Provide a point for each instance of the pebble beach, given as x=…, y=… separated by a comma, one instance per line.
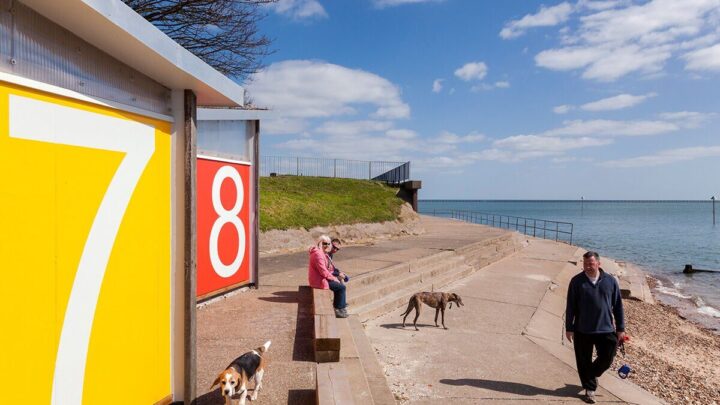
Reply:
x=673, y=357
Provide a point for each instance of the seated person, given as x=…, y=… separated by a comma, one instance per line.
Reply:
x=334, y=248
x=320, y=275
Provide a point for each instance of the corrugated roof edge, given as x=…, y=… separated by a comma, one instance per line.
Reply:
x=119, y=31
x=205, y=113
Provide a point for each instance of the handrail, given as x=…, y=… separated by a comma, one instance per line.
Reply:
x=528, y=226
x=396, y=175
x=391, y=172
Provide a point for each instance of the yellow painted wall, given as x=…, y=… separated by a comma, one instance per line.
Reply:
x=49, y=199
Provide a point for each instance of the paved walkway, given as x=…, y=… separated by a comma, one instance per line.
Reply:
x=228, y=327
x=505, y=345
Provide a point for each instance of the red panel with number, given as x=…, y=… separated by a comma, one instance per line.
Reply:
x=223, y=231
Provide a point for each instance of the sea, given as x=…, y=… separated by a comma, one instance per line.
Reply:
x=660, y=237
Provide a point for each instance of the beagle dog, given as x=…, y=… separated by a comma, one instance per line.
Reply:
x=234, y=379
x=437, y=300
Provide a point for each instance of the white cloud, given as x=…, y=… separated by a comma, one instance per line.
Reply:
x=452, y=139
x=704, y=59
x=666, y=157
x=506, y=156
x=393, y=3
x=579, y=134
x=535, y=143
x=545, y=17
x=441, y=162
x=601, y=5
x=437, y=85
x=401, y=134
x=612, y=128
x=568, y=58
x=395, y=145
x=284, y=126
x=564, y=159
x=515, y=149
x=562, y=109
x=300, y=9
x=605, y=62
x=472, y=71
x=306, y=89
x=350, y=128
x=481, y=87
x=372, y=140
x=616, y=102
x=447, y=142
x=687, y=119
x=485, y=86
x=625, y=37
x=654, y=22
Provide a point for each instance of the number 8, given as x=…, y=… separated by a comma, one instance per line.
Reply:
x=225, y=217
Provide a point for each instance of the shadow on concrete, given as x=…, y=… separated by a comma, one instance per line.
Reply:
x=301, y=397
x=571, y=391
x=304, y=326
x=213, y=397
x=286, y=297
x=408, y=326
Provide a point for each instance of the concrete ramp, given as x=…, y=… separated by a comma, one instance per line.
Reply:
x=505, y=345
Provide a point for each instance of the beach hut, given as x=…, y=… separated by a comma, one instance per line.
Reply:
x=227, y=206
x=98, y=134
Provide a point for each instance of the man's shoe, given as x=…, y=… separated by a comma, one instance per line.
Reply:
x=590, y=396
x=340, y=313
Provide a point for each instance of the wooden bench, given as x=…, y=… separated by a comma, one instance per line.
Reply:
x=332, y=385
x=326, y=338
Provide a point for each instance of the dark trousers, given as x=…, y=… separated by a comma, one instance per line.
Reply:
x=339, y=291
x=589, y=371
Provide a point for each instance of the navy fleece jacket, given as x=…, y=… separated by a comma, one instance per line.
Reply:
x=590, y=308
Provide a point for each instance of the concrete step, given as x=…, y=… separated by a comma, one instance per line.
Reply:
x=350, y=360
x=379, y=389
x=370, y=302
x=332, y=385
x=400, y=297
x=483, y=253
x=502, y=241
x=359, y=296
x=398, y=270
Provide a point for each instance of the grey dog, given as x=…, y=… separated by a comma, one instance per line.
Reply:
x=437, y=300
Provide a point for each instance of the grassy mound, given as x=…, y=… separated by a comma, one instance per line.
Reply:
x=305, y=202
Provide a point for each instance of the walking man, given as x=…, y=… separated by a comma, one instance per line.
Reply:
x=593, y=301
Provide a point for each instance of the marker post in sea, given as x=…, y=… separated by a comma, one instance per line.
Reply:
x=713, y=200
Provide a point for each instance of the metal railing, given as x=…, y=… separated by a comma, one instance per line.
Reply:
x=391, y=172
x=539, y=228
x=397, y=175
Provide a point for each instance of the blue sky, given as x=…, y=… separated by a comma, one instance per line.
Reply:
x=605, y=99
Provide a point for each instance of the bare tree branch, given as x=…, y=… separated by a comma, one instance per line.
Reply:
x=224, y=33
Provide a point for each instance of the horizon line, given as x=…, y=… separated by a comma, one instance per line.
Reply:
x=558, y=200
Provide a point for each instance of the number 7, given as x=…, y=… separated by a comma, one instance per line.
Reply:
x=42, y=121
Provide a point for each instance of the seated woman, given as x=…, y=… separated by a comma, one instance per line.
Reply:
x=320, y=275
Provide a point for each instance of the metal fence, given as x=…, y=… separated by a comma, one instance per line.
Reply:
x=539, y=228
x=392, y=172
x=396, y=175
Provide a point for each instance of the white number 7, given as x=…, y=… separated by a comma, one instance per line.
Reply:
x=41, y=121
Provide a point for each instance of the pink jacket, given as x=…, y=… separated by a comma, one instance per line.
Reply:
x=318, y=273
